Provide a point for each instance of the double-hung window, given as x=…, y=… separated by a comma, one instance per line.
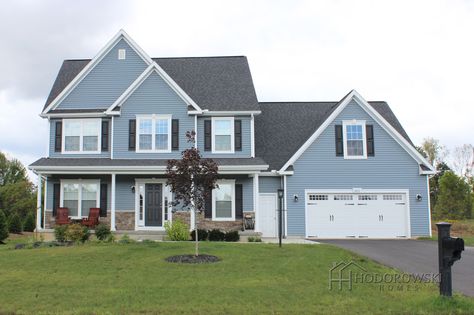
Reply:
x=81, y=135
x=154, y=133
x=223, y=199
x=79, y=196
x=354, y=139
x=222, y=135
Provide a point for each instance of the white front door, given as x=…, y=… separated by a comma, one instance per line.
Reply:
x=372, y=215
x=267, y=216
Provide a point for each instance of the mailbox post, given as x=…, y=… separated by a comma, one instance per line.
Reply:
x=449, y=251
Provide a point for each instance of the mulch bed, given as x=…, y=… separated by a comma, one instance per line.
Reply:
x=191, y=259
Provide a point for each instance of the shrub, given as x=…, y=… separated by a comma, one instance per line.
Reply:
x=216, y=235
x=202, y=235
x=232, y=236
x=126, y=239
x=254, y=239
x=102, y=232
x=29, y=224
x=3, y=227
x=60, y=233
x=177, y=230
x=14, y=224
x=77, y=233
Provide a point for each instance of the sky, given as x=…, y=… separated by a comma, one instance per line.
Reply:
x=416, y=55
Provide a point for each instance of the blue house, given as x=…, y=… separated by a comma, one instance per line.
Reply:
x=345, y=169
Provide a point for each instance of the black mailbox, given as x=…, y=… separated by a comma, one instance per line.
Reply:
x=452, y=248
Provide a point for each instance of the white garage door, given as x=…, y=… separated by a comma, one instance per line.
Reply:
x=374, y=215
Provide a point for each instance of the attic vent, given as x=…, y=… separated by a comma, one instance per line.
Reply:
x=121, y=54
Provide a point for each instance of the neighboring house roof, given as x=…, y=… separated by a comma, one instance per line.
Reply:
x=283, y=127
x=106, y=162
x=214, y=83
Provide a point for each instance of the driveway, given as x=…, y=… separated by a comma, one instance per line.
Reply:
x=412, y=256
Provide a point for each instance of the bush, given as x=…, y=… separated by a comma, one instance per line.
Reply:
x=60, y=233
x=232, y=236
x=177, y=230
x=29, y=224
x=77, y=233
x=102, y=232
x=202, y=235
x=3, y=227
x=126, y=239
x=254, y=239
x=14, y=224
x=216, y=235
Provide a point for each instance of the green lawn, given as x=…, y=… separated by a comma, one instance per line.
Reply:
x=251, y=278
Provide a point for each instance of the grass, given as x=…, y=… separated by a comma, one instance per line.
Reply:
x=459, y=228
x=250, y=279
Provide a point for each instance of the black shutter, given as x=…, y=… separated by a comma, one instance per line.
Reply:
x=58, y=138
x=56, y=197
x=175, y=134
x=339, y=141
x=239, y=206
x=207, y=135
x=132, y=123
x=369, y=133
x=103, y=200
x=238, y=135
x=105, y=135
x=208, y=206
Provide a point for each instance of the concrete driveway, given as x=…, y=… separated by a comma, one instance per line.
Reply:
x=412, y=256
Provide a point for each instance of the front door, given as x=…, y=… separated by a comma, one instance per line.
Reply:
x=154, y=205
x=268, y=214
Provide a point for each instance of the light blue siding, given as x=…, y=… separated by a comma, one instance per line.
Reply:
x=107, y=81
x=247, y=191
x=269, y=184
x=52, y=153
x=391, y=168
x=246, y=146
x=154, y=96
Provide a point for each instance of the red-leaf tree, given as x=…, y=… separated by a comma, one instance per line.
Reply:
x=192, y=179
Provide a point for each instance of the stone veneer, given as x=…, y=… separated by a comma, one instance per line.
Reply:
x=208, y=224
x=125, y=220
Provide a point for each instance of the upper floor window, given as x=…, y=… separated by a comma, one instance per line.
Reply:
x=154, y=133
x=354, y=139
x=222, y=135
x=81, y=135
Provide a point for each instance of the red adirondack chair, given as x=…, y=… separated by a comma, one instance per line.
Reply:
x=93, y=218
x=62, y=217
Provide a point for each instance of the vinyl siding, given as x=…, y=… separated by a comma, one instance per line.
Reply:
x=391, y=168
x=246, y=146
x=153, y=96
x=107, y=81
x=53, y=154
x=269, y=184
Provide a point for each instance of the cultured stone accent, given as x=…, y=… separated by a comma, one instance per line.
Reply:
x=208, y=224
x=125, y=220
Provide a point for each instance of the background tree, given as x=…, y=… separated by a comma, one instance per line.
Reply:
x=434, y=151
x=463, y=159
x=192, y=179
x=3, y=227
x=454, y=198
x=441, y=168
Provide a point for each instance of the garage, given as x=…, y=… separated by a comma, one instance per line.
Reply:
x=357, y=215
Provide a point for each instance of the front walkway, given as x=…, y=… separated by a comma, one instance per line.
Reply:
x=414, y=257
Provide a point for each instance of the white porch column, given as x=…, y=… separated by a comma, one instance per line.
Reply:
x=45, y=200
x=256, y=200
x=112, y=204
x=285, y=206
x=38, y=204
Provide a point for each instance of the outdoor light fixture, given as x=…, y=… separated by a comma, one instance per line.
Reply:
x=280, y=193
x=418, y=197
x=132, y=188
x=295, y=198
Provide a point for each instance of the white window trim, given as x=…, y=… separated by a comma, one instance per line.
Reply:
x=79, y=200
x=224, y=181
x=346, y=123
x=232, y=133
x=153, y=117
x=81, y=136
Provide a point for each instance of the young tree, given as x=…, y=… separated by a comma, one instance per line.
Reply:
x=454, y=199
x=434, y=152
x=192, y=179
x=463, y=160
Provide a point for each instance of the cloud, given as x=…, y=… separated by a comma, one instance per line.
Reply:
x=417, y=55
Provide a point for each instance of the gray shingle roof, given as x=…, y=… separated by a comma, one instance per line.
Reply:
x=214, y=83
x=283, y=127
x=135, y=162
